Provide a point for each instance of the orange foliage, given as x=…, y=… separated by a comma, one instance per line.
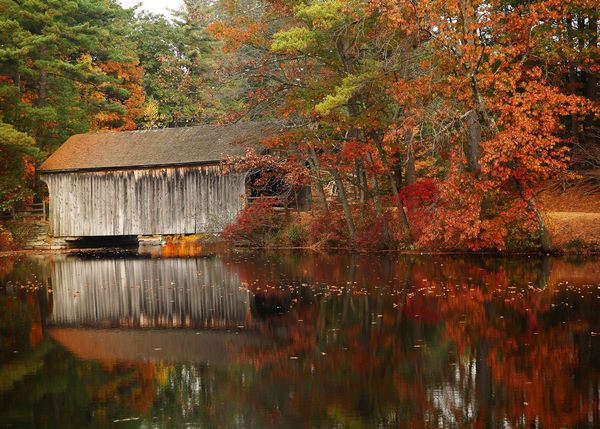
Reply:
x=129, y=78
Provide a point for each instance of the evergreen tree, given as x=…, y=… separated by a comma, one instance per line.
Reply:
x=188, y=78
x=57, y=71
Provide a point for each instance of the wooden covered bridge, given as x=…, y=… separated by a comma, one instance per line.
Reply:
x=151, y=182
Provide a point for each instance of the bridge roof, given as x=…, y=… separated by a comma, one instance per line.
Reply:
x=204, y=144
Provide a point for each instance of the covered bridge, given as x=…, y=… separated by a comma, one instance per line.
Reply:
x=164, y=181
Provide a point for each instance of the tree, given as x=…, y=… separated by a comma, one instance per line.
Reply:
x=185, y=70
x=17, y=152
x=501, y=138
x=64, y=68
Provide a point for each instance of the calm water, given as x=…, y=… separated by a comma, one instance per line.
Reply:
x=293, y=340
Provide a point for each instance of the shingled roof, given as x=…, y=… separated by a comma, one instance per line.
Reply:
x=203, y=144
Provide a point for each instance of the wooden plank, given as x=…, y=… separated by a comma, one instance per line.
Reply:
x=182, y=200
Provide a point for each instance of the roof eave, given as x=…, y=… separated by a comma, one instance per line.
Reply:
x=130, y=167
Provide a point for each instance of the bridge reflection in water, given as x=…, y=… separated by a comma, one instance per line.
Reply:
x=147, y=293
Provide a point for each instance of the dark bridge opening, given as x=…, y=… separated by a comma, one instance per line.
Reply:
x=270, y=184
x=124, y=241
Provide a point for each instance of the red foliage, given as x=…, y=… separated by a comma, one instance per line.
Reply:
x=373, y=231
x=254, y=223
x=328, y=228
x=419, y=194
x=419, y=199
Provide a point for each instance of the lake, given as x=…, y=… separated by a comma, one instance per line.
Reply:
x=298, y=340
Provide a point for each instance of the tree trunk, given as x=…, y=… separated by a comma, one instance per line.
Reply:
x=574, y=121
x=543, y=232
x=378, y=205
x=395, y=188
x=473, y=149
x=345, y=205
x=397, y=171
x=591, y=82
x=361, y=181
x=42, y=88
x=411, y=174
x=410, y=177
x=315, y=167
x=375, y=188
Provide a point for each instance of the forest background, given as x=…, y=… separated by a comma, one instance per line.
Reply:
x=427, y=125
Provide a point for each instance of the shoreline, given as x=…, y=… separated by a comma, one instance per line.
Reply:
x=104, y=249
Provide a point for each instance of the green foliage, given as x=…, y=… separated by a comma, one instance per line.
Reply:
x=296, y=235
x=348, y=88
x=50, y=59
x=52, y=81
x=521, y=238
x=16, y=148
x=323, y=14
x=21, y=231
x=183, y=67
x=296, y=39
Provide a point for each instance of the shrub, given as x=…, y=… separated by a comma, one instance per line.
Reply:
x=371, y=231
x=328, y=228
x=296, y=234
x=256, y=223
x=521, y=236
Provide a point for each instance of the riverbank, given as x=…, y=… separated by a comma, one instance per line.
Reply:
x=567, y=240
x=571, y=212
x=573, y=233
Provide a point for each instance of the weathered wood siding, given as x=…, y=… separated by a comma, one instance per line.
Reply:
x=182, y=200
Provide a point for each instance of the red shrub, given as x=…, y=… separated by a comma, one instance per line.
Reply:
x=370, y=232
x=328, y=228
x=255, y=223
x=420, y=194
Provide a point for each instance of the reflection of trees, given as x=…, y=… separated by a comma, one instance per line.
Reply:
x=358, y=341
x=42, y=385
x=475, y=342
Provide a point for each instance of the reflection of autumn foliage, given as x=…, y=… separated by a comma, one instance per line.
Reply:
x=134, y=383
x=530, y=363
x=20, y=315
x=6, y=241
x=180, y=250
x=349, y=340
x=6, y=265
x=431, y=338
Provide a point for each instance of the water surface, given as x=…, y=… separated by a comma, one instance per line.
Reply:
x=298, y=340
